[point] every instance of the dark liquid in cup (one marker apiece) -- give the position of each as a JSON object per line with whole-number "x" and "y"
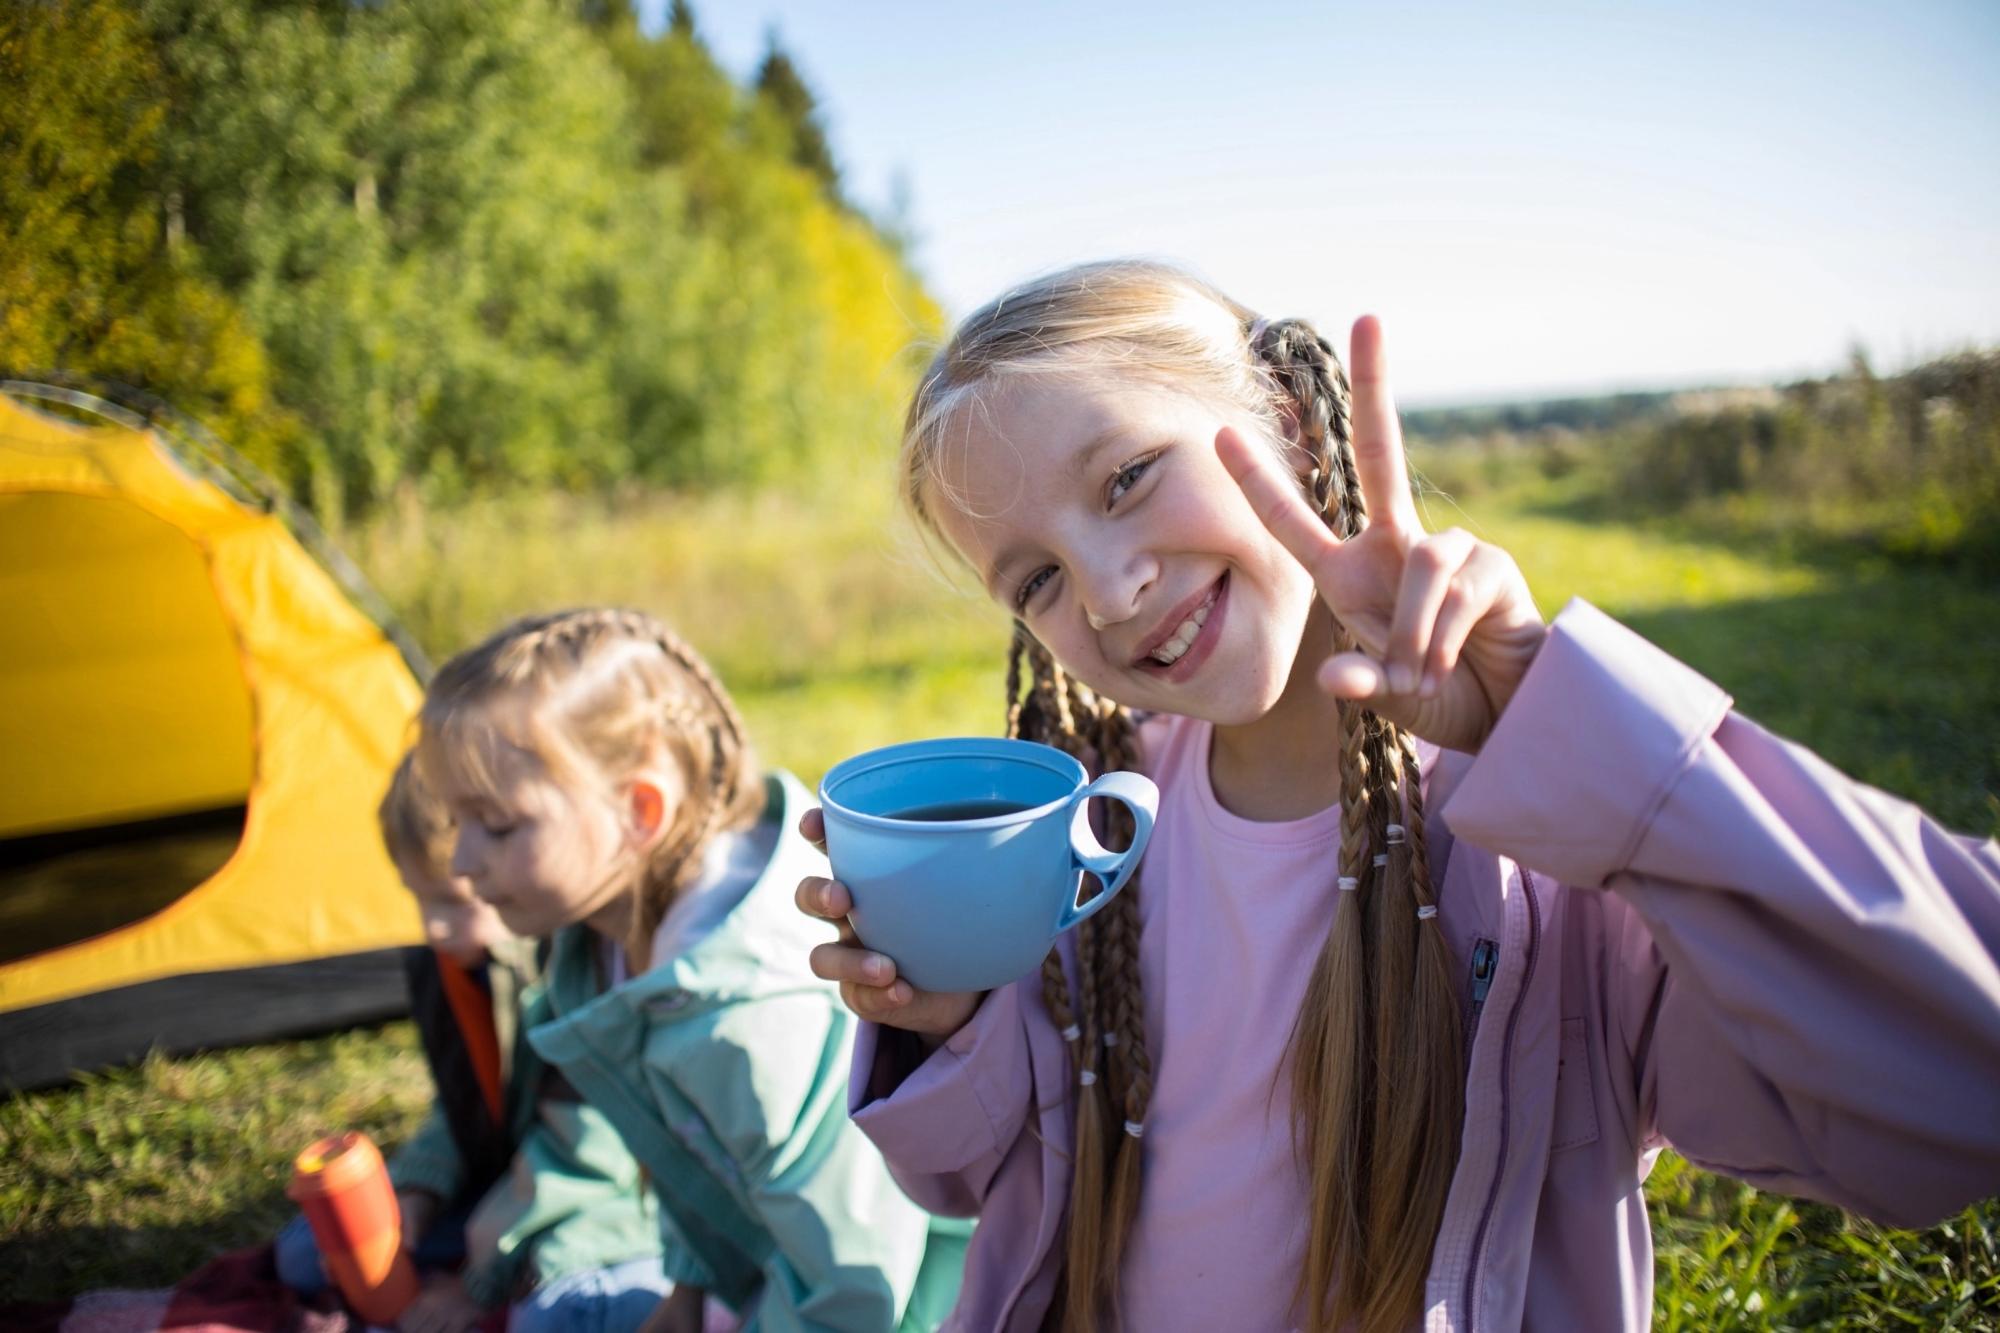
{"x": 950, "y": 810}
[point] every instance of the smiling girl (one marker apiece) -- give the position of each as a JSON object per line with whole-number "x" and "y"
{"x": 1390, "y": 1034}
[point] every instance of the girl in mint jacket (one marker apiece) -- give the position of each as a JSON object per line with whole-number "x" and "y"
{"x": 605, "y": 795}
{"x": 515, "y": 1196}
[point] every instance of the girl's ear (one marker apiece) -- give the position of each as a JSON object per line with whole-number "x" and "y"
{"x": 1288, "y": 421}
{"x": 646, "y": 810}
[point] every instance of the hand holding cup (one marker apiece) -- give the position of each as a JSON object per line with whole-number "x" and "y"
{"x": 960, "y": 863}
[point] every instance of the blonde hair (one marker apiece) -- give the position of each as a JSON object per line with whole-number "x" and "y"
{"x": 1376, "y": 1049}
{"x": 594, "y": 695}
{"x": 416, "y": 828}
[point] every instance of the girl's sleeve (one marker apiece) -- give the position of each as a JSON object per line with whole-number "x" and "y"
{"x": 571, "y": 1198}
{"x": 945, "y": 1122}
{"x": 429, "y": 1161}
{"x": 768, "y": 1080}
{"x": 1809, "y": 992}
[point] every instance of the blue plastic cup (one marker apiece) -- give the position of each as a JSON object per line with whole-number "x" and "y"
{"x": 964, "y": 857}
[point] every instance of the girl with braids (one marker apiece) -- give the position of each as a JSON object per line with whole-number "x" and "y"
{"x": 1450, "y": 920}
{"x": 605, "y": 795}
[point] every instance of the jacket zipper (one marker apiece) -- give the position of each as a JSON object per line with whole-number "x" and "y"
{"x": 1506, "y": 1090}
{"x": 1485, "y": 962}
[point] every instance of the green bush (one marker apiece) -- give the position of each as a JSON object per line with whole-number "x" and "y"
{"x": 1908, "y": 466}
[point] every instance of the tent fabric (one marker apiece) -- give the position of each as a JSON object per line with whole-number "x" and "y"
{"x": 47, "y": 1043}
{"x": 170, "y": 649}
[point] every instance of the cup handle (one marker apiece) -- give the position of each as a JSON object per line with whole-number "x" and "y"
{"x": 1112, "y": 869}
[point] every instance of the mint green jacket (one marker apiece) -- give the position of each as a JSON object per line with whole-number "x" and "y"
{"x": 726, "y": 1071}
{"x": 570, "y": 1199}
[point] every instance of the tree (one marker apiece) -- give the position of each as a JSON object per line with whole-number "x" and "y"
{"x": 782, "y": 91}
{"x": 414, "y": 204}
{"x": 97, "y": 278}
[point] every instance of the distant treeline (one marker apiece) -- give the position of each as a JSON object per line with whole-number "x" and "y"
{"x": 445, "y": 245}
{"x": 1906, "y": 465}
{"x": 1530, "y": 417}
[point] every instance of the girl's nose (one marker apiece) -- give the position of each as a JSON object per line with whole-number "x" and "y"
{"x": 1111, "y": 591}
{"x": 463, "y": 859}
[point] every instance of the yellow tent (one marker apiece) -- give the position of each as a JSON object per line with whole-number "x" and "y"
{"x": 179, "y": 673}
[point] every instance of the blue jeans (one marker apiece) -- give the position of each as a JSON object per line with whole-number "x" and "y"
{"x": 616, "y": 1299}
{"x": 598, "y": 1300}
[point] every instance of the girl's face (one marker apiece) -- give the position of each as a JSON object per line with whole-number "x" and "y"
{"x": 542, "y": 855}
{"x": 1100, "y": 515}
{"x": 457, "y": 922}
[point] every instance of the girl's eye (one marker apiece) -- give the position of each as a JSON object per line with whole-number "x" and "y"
{"x": 1032, "y": 585}
{"x": 1126, "y": 477}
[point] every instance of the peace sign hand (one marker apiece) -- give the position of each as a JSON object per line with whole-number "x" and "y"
{"x": 1444, "y": 624}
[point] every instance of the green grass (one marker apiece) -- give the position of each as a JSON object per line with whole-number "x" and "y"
{"x": 835, "y": 636}
{"x": 1886, "y": 670}
{"x": 140, "y": 1174}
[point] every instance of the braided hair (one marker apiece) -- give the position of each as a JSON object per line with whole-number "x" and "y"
{"x": 604, "y": 690}
{"x": 1376, "y": 1048}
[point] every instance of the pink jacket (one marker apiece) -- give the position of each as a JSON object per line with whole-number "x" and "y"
{"x": 1698, "y": 935}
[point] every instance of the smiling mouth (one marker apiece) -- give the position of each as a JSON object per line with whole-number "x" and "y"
{"x": 1181, "y": 638}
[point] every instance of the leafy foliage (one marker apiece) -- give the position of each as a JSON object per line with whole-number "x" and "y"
{"x": 1907, "y": 465}
{"x": 783, "y": 93}
{"x": 96, "y": 276}
{"x": 447, "y": 245}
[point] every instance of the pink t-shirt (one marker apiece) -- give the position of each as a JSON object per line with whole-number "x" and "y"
{"x": 1234, "y": 915}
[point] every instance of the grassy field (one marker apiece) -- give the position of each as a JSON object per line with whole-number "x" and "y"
{"x": 835, "y": 636}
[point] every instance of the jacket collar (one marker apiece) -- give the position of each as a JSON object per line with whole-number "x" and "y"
{"x": 759, "y": 948}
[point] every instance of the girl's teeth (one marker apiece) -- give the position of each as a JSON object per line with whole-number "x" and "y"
{"x": 1171, "y": 651}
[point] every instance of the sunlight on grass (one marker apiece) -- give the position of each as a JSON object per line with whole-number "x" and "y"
{"x": 140, "y": 1174}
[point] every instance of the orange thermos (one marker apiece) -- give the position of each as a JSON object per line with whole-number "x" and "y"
{"x": 342, "y": 1186}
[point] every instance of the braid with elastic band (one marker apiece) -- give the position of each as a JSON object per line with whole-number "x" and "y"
{"x": 1377, "y": 1084}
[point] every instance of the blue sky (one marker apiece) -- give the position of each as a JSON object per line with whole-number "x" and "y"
{"x": 1534, "y": 197}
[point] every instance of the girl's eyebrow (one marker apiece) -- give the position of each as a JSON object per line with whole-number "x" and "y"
{"x": 1079, "y": 466}
{"x": 993, "y": 571}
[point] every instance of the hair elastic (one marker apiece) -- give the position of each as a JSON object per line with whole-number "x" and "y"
{"x": 1072, "y": 1033}
{"x": 1086, "y": 1078}
{"x": 1427, "y": 912}
{"x": 1349, "y": 883}
{"x": 1381, "y": 859}
{"x": 1136, "y": 1128}
{"x": 1110, "y": 1039}
{"x": 1395, "y": 835}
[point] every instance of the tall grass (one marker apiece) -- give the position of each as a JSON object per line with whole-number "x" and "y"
{"x": 832, "y": 626}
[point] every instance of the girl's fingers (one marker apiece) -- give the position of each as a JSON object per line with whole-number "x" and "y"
{"x": 1275, "y": 497}
{"x": 1473, "y": 592}
{"x": 1378, "y": 434}
{"x": 844, "y": 962}
{"x": 826, "y": 899}
{"x": 1428, "y": 574}
{"x": 1353, "y": 676}
{"x": 812, "y": 827}
{"x": 878, "y": 1004}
